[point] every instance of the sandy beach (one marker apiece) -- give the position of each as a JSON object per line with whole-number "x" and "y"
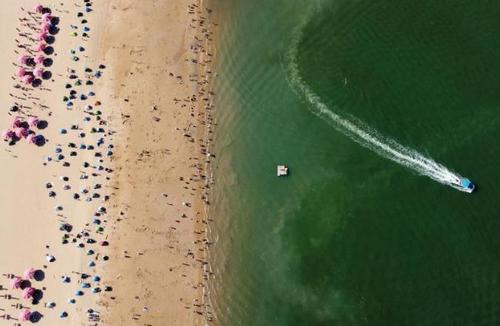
{"x": 106, "y": 185}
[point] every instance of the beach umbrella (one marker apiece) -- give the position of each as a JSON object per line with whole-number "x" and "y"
{"x": 103, "y": 243}
{"x": 42, "y": 36}
{"x": 96, "y": 278}
{"x": 20, "y": 72}
{"x": 40, "y": 47}
{"x": 78, "y": 293}
{"x": 28, "y": 79}
{"x": 29, "y": 273}
{"x": 39, "y": 139}
{"x": 39, "y": 59}
{"x": 46, "y": 17}
{"x": 24, "y": 315}
{"x": 63, "y": 314}
{"x": 28, "y": 293}
{"x": 31, "y": 138}
{"x": 8, "y": 134}
{"x": 23, "y": 59}
{"x": 45, "y": 28}
{"x": 21, "y": 132}
{"x": 16, "y": 282}
{"x": 38, "y": 72}
{"x": 17, "y": 122}
{"x": 33, "y": 121}
{"x": 38, "y": 8}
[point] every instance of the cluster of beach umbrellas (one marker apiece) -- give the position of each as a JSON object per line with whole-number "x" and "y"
{"x": 28, "y": 70}
{"x": 24, "y": 284}
{"x": 21, "y": 129}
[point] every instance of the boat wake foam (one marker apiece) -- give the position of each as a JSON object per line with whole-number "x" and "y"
{"x": 359, "y": 131}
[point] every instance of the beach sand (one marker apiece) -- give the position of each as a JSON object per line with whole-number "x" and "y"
{"x": 156, "y": 102}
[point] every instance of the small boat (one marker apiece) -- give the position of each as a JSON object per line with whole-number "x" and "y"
{"x": 463, "y": 184}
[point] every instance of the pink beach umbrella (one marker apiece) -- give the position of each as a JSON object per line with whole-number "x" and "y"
{"x": 23, "y": 59}
{"x": 21, "y": 72}
{"x": 45, "y": 27}
{"x": 16, "y": 282}
{"x": 42, "y": 36}
{"x": 24, "y": 315}
{"x": 39, "y": 59}
{"x": 28, "y": 293}
{"x": 40, "y": 47}
{"x": 7, "y": 134}
{"x": 46, "y": 17}
{"x": 38, "y": 72}
{"x": 21, "y": 132}
{"x": 30, "y": 272}
{"x": 16, "y": 123}
{"x": 31, "y": 138}
{"x": 28, "y": 79}
{"x": 33, "y": 121}
{"x": 38, "y": 8}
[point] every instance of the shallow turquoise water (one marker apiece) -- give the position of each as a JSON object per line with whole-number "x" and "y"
{"x": 352, "y": 238}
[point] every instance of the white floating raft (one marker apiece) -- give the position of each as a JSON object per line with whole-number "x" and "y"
{"x": 282, "y": 170}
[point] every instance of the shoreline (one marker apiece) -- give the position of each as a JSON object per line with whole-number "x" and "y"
{"x": 151, "y": 240}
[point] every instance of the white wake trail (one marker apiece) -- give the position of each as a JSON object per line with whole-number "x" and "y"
{"x": 360, "y": 132}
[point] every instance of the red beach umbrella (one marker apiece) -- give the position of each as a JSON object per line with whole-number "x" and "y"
{"x": 20, "y": 72}
{"x": 15, "y": 283}
{"x": 23, "y": 59}
{"x": 30, "y": 272}
{"x": 39, "y": 59}
{"x": 38, "y": 72}
{"x": 25, "y": 315}
{"x": 28, "y": 293}
{"x": 38, "y": 8}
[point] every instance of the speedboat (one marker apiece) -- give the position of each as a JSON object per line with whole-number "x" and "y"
{"x": 463, "y": 184}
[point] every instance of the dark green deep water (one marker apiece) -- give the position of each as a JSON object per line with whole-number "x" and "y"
{"x": 350, "y": 237}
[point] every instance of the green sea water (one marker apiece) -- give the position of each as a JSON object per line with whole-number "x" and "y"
{"x": 352, "y": 237}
